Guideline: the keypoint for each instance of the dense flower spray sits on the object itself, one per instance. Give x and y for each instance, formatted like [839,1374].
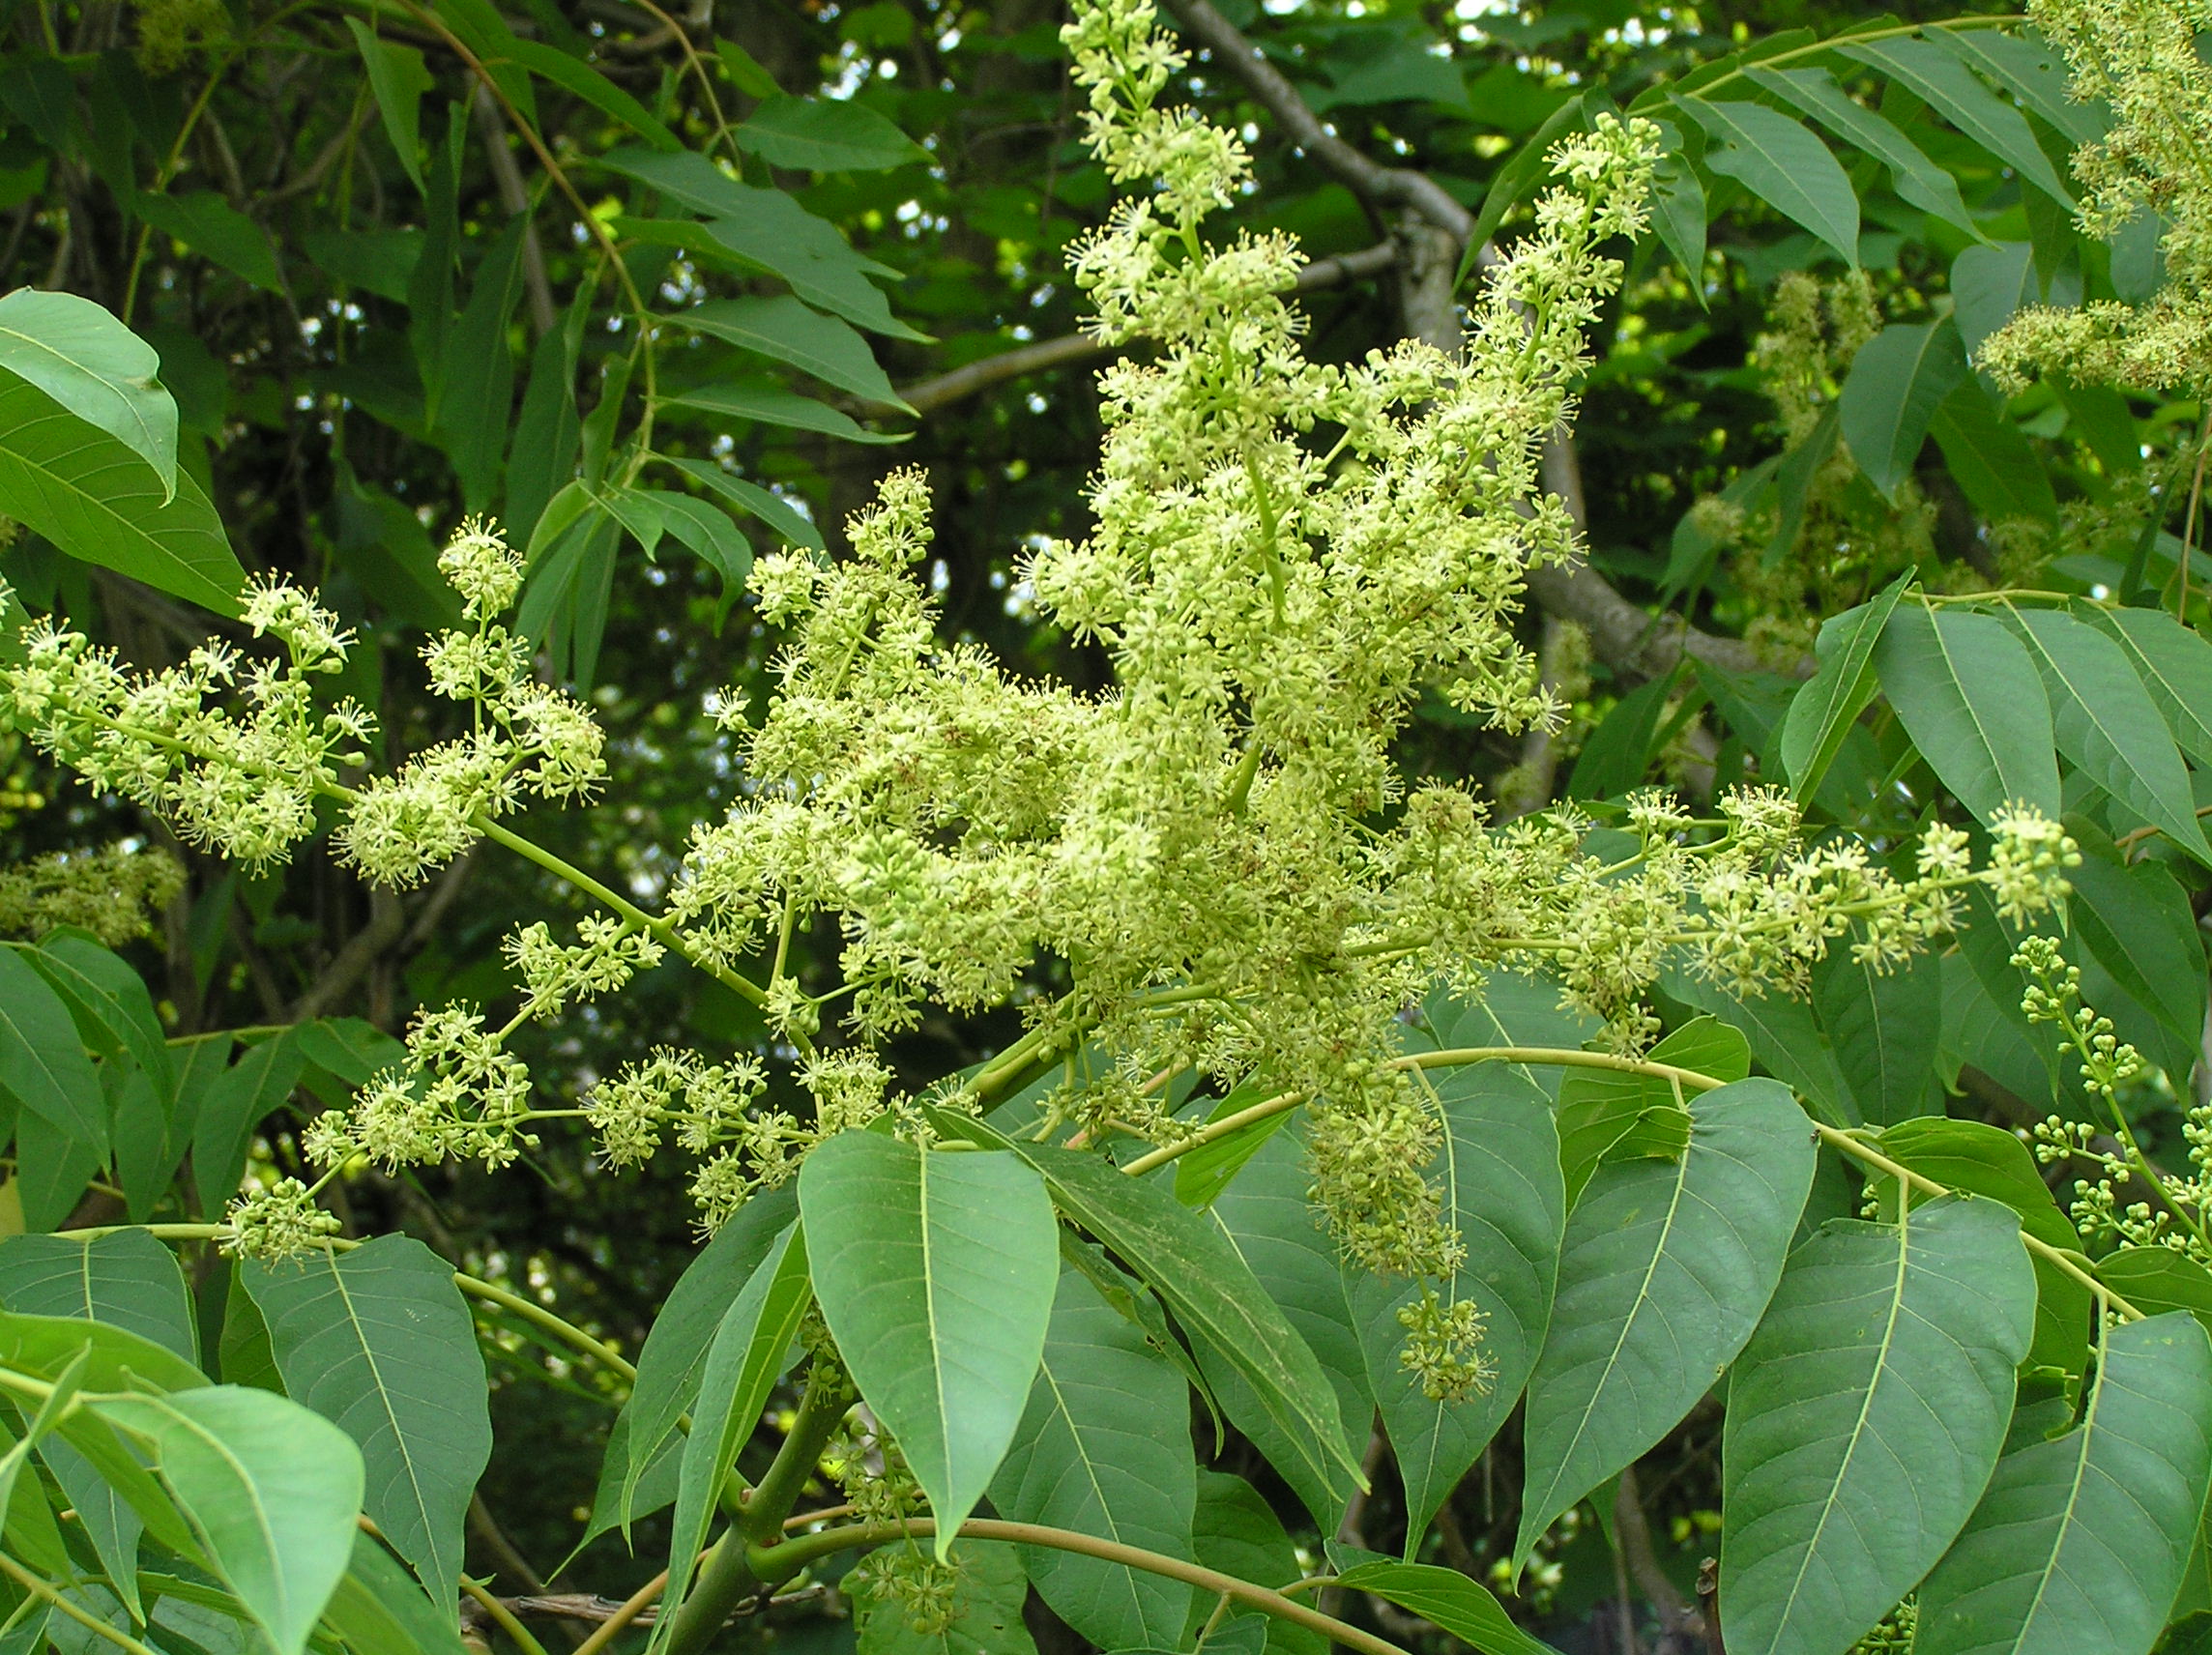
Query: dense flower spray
[1218,854]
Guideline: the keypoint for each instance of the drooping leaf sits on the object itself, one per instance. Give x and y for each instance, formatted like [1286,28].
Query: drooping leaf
[93,366]
[1975,1158]
[936,1273]
[2136,922]
[1443,1597]
[1951,89]
[1969,695]
[114,1009]
[1920,180]
[2026,67]
[1897,381]
[1665,1269]
[785,329]
[208,224]
[378,1340]
[772,509]
[1784,165]
[674,1350]
[820,134]
[708,531]
[1990,460]
[573,74]
[273,1489]
[398,79]
[379,1611]
[2108,725]
[42,1064]
[477,411]
[748,1352]
[772,405]
[1864,1418]
[235,1103]
[1823,712]
[94,498]
[2174,665]
[1184,1258]
[1101,1450]
[2079,1544]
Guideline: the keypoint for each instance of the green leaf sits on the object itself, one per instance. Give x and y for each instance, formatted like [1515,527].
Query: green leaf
[1988,285]
[752,1348]
[1990,460]
[93,366]
[1947,85]
[1784,165]
[1920,180]
[1266,1217]
[674,1351]
[1969,695]
[986,1612]
[273,1489]
[1864,1418]
[477,410]
[2030,72]
[1897,381]
[1444,1598]
[546,434]
[763,230]
[708,531]
[1621,749]
[1103,1449]
[2136,922]
[42,1064]
[1202,1173]
[1884,1027]
[1186,1260]
[237,1101]
[2108,725]
[398,79]
[816,134]
[97,501]
[1236,1532]
[1821,714]
[2155,1279]
[378,1610]
[936,1273]
[1975,1158]
[244,1355]
[1793,481]
[114,1009]
[772,405]
[772,509]
[2079,1544]
[1501,1186]
[573,74]
[2174,666]
[124,1279]
[208,224]
[1522,168]
[1609,1116]
[788,332]
[1663,1272]
[1681,214]
[378,1340]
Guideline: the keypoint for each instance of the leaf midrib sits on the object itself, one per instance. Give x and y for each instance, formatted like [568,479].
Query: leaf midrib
[383,1399]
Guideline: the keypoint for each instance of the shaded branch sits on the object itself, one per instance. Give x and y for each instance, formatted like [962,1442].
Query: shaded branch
[926,396]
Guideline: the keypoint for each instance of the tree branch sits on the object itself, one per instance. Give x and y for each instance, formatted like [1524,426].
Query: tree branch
[1391,186]
[926,396]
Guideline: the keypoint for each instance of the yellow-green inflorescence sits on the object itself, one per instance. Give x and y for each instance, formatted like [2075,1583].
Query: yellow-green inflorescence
[1219,851]
[2143,60]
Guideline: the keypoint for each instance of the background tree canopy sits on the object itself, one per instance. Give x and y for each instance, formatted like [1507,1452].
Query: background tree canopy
[1886,478]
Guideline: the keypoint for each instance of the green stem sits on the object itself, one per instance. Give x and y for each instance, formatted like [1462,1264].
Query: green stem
[1817,47]
[783,1561]
[504,1617]
[39,1588]
[726,1574]
[1214,1130]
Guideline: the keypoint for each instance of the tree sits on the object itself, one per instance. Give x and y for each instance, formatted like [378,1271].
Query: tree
[1199,947]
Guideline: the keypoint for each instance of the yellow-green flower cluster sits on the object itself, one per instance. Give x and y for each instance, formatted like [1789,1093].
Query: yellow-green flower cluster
[113,893]
[2143,60]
